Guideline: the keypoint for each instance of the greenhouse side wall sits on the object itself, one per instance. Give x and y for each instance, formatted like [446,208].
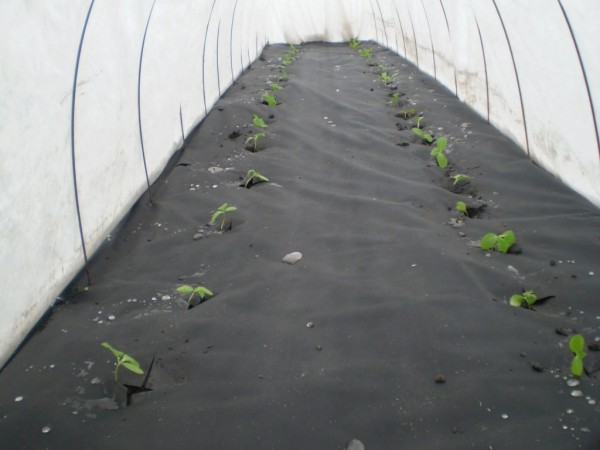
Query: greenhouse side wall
[96,97]
[538,81]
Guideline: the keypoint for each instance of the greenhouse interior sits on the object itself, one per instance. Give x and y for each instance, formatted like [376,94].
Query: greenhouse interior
[328,224]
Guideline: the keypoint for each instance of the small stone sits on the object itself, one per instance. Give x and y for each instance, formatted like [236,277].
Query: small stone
[19,398]
[95,381]
[563,331]
[214,170]
[595,347]
[165,297]
[111,317]
[537,367]
[46,429]
[572,382]
[355,444]
[439,378]
[198,236]
[318,348]
[292,258]
[576,393]
[462,233]
[504,416]
[310,325]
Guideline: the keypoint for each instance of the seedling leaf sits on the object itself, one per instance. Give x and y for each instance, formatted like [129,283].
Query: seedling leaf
[577,366]
[269,99]
[259,122]
[423,135]
[577,344]
[134,368]
[185,289]
[516,300]
[442,161]
[275,87]
[461,207]
[118,354]
[530,298]
[488,241]
[505,241]
[460,177]
[123,360]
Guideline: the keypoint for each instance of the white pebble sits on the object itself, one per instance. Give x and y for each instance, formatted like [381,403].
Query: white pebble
[111,317]
[18,398]
[576,393]
[46,429]
[504,416]
[292,258]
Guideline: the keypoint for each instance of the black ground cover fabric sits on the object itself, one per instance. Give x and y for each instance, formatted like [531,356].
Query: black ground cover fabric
[391,294]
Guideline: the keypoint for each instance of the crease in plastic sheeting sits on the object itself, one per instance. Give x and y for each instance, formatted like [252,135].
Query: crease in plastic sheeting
[139,102]
[181,124]
[401,30]
[231,40]
[485,68]
[430,40]
[584,73]
[204,58]
[374,21]
[512,56]
[387,42]
[218,68]
[73,163]
[451,46]
[412,25]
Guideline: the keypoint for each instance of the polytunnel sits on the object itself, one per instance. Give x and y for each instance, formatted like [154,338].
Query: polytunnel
[104,103]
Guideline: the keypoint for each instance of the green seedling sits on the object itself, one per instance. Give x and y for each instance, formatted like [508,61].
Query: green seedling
[283,75]
[200,291]
[461,207]
[407,113]
[395,99]
[438,152]
[275,87]
[460,177]
[259,122]
[253,177]
[417,118]
[293,49]
[269,99]
[501,242]
[366,53]
[222,211]
[387,78]
[254,138]
[425,136]
[577,346]
[287,59]
[527,298]
[354,43]
[124,360]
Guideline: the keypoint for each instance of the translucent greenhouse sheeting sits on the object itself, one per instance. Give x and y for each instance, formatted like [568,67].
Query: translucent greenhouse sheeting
[97,96]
